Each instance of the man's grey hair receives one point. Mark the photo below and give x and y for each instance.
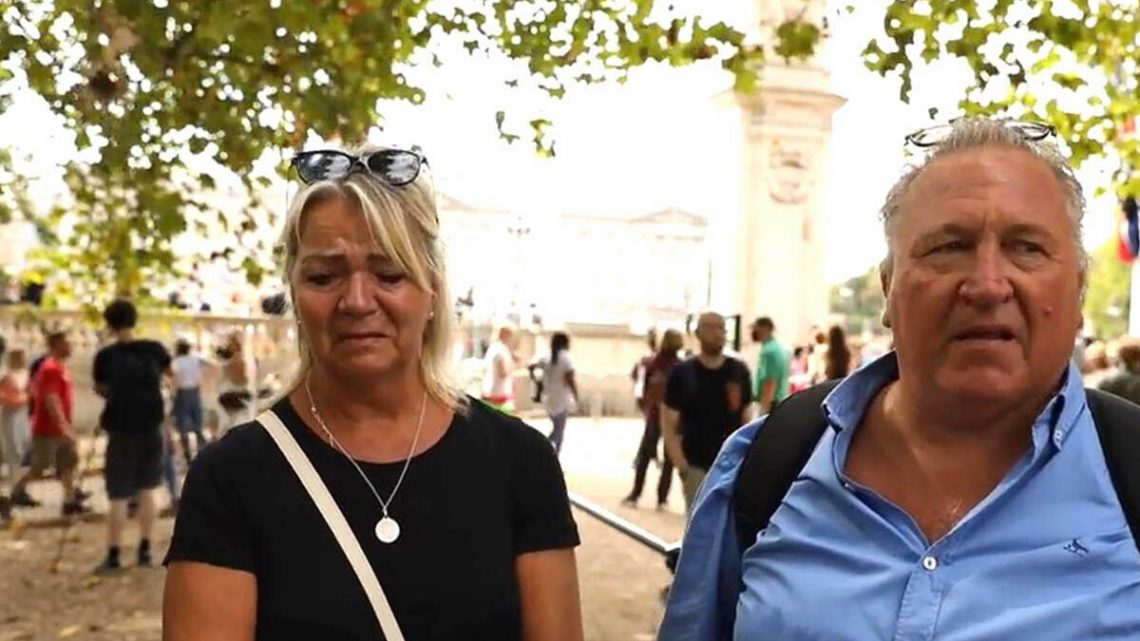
(975, 133)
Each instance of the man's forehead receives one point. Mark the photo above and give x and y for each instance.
(983, 181)
(984, 167)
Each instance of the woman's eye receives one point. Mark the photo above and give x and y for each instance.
(320, 280)
(391, 278)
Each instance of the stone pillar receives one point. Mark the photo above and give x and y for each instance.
(786, 126)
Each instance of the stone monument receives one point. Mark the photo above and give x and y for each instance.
(786, 126)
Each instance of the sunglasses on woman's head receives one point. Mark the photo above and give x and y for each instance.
(397, 167)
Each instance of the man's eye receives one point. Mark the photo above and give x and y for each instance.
(949, 247)
(1028, 247)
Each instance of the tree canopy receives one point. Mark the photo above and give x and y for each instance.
(1074, 64)
(159, 94)
(859, 300)
(1107, 297)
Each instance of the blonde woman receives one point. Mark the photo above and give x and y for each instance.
(460, 512)
(14, 431)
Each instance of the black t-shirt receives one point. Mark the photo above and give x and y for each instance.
(703, 396)
(490, 490)
(130, 377)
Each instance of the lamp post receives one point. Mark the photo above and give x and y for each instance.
(520, 232)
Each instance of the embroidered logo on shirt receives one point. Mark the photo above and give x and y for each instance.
(1075, 547)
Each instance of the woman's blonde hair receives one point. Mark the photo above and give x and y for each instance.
(405, 225)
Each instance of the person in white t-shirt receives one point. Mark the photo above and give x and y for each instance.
(187, 371)
(499, 364)
(560, 391)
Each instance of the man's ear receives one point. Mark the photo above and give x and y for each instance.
(885, 274)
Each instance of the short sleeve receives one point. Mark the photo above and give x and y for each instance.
(675, 389)
(566, 362)
(542, 518)
(162, 356)
(99, 368)
(761, 371)
(212, 527)
(745, 378)
(50, 381)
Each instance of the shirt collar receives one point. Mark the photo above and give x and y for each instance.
(846, 404)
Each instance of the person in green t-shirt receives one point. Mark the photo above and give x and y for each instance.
(771, 383)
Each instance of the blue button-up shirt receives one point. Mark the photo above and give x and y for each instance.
(1047, 556)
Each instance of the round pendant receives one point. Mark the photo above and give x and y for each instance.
(387, 530)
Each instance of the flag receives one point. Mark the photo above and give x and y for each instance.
(1128, 236)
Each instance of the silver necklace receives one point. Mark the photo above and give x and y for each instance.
(387, 529)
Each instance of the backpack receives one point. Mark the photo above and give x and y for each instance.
(790, 433)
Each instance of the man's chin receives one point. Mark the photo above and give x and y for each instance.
(983, 385)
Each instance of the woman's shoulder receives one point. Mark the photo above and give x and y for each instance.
(499, 426)
(239, 451)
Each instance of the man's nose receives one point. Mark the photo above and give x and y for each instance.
(987, 282)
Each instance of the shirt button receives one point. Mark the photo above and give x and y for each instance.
(929, 563)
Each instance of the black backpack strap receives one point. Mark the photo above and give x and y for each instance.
(780, 450)
(1118, 426)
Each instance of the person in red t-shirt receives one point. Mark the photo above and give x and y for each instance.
(53, 436)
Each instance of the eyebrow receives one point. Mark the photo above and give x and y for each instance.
(947, 229)
(336, 256)
(957, 229)
(1022, 229)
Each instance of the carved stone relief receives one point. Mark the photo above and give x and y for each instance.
(790, 172)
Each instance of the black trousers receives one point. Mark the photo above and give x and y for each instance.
(645, 453)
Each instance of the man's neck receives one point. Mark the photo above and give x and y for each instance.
(124, 336)
(711, 361)
(936, 463)
(959, 423)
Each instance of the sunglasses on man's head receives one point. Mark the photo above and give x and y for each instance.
(933, 136)
(397, 167)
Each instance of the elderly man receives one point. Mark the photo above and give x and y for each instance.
(959, 489)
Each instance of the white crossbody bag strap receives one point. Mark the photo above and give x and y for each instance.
(336, 522)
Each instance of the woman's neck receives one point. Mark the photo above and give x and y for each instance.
(384, 399)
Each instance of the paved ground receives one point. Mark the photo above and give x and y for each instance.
(621, 579)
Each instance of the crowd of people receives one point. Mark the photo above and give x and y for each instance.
(1112, 366)
(714, 392)
(152, 407)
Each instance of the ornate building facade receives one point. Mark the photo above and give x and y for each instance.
(638, 270)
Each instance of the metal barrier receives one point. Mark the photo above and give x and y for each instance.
(650, 540)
